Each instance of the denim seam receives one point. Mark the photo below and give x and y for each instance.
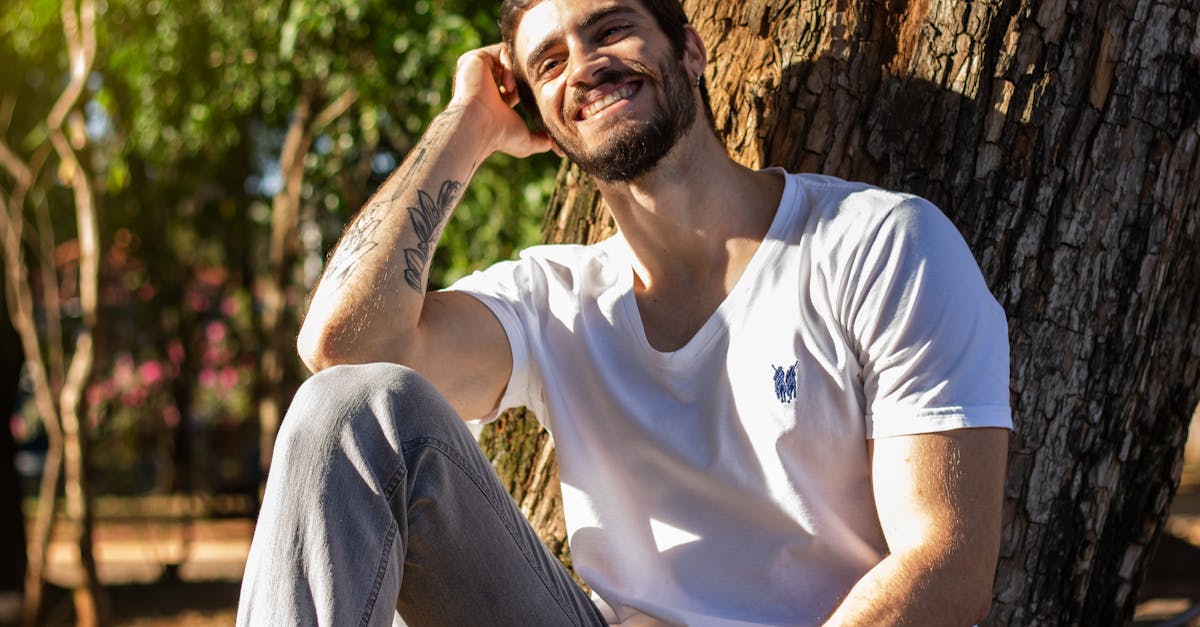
(453, 455)
(369, 610)
(389, 491)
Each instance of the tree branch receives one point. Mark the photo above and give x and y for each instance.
(15, 167)
(334, 110)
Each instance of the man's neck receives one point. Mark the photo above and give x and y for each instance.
(693, 225)
(686, 217)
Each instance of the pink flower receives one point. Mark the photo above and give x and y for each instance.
(150, 372)
(17, 425)
(196, 301)
(229, 306)
(123, 371)
(208, 377)
(175, 352)
(171, 415)
(134, 398)
(228, 377)
(95, 394)
(215, 332)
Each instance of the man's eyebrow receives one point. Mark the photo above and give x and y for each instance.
(588, 21)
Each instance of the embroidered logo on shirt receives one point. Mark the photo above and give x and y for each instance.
(785, 382)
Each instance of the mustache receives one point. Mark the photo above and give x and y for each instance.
(608, 75)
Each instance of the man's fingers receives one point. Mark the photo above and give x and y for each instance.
(495, 61)
(509, 84)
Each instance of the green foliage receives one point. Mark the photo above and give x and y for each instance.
(186, 113)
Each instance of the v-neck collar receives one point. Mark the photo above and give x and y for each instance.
(715, 326)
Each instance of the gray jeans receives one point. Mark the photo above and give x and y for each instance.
(379, 501)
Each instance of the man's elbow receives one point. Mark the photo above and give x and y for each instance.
(322, 346)
(328, 345)
(313, 347)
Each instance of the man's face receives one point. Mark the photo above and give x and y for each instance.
(610, 89)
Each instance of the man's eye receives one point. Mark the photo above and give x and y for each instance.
(610, 33)
(549, 66)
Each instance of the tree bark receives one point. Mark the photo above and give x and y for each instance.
(1061, 137)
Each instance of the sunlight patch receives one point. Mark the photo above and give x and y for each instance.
(668, 536)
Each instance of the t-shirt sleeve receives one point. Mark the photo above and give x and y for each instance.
(931, 340)
(502, 289)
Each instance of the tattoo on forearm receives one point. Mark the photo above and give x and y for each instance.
(427, 218)
(357, 242)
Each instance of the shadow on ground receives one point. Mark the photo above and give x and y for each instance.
(157, 604)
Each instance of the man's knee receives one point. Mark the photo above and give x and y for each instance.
(384, 400)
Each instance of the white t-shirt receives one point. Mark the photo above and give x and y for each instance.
(727, 482)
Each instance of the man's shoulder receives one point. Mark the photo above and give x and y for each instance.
(557, 267)
(835, 205)
(842, 195)
(575, 256)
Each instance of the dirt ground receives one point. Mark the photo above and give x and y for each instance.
(1171, 593)
(174, 573)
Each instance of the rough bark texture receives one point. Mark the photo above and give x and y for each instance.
(1061, 137)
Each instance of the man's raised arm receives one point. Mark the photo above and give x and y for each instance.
(370, 304)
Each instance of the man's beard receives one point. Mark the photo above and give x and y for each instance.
(634, 149)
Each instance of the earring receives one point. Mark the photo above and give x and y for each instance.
(699, 77)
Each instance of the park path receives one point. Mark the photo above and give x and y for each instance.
(209, 554)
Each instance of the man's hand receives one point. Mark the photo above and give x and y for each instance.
(485, 85)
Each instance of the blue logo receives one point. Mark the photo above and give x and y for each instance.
(785, 383)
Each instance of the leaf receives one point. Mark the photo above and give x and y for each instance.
(448, 195)
(420, 224)
(413, 279)
(415, 259)
(430, 210)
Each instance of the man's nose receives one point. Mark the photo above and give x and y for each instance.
(587, 64)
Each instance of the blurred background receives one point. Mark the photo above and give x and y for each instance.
(173, 174)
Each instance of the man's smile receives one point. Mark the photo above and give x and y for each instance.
(598, 101)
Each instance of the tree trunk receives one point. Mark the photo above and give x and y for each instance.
(278, 367)
(277, 284)
(1062, 138)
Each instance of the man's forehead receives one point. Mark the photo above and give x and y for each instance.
(548, 19)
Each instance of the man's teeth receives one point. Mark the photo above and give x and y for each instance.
(607, 101)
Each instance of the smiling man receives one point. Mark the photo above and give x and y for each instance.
(777, 399)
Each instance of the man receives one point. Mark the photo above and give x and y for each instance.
(777, 399)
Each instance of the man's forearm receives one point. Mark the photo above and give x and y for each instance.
(916, 589)
(372, 290)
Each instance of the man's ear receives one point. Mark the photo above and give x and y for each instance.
(695, 56)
